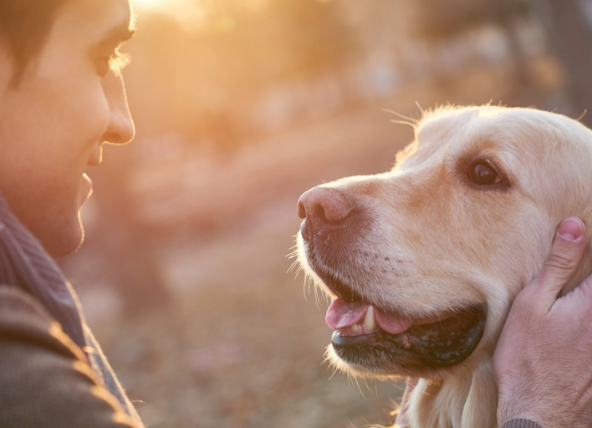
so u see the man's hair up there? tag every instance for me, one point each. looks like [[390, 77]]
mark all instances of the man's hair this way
[[24, 28]]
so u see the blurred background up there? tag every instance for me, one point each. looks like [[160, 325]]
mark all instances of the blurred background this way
[[240, 106]]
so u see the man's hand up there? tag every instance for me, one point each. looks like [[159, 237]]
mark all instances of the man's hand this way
[[543, 361]]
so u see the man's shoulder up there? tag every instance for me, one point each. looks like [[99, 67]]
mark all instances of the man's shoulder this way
[[19, 308], [44, 377], [24, 320], [14, 299]]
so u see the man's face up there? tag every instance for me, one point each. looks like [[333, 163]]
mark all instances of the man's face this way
[[53, 125]]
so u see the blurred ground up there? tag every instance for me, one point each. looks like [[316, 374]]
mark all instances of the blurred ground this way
[[242, 341]]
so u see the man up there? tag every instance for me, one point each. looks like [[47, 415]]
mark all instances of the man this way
[[61, 98]]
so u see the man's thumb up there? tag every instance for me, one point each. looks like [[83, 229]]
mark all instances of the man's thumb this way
[[564, 257]]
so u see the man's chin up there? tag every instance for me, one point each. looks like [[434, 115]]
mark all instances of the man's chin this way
[[64, 241]]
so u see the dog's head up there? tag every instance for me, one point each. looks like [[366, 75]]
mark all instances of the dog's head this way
[[422, 262]]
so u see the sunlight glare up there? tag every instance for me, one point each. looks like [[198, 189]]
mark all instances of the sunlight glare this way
[[149, 4], [187, 12]]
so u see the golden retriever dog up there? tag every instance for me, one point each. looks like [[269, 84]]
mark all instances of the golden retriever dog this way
[[422, 262]]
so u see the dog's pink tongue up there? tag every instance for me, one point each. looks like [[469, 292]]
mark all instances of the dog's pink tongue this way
[[391, 323], [341, 314]]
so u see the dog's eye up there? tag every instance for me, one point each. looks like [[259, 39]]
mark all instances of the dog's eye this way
[[483, 174]]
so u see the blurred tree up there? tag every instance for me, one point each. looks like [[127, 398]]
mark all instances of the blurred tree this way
[[439, 20], [570, 35], [285, 39], [442, 21], [314, 38]]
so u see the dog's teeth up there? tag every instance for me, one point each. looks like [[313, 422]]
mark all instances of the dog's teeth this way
[[357, 328], [369, 321]]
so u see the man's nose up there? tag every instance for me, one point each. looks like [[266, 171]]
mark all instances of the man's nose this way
[[121, 129]]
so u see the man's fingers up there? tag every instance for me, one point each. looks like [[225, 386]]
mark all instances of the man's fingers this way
[[564, 257]]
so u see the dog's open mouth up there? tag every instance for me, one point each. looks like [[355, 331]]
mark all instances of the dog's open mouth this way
[[368, 337], [372, 338]]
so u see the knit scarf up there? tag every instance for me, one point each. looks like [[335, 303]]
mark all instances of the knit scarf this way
[[24, 263]]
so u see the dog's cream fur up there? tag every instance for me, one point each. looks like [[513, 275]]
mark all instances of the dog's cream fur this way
[[450, 244]]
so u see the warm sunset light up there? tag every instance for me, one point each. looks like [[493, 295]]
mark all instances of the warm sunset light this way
[[173, 7], [147, 3], [188, 13], [154, 4]]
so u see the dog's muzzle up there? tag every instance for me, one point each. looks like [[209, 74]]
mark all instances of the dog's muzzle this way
[[333, 225]]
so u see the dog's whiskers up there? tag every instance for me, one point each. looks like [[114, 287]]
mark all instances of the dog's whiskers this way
[[407, 119], [295, 267], [359, 387]]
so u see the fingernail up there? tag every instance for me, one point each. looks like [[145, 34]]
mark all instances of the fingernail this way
[[570, 229]]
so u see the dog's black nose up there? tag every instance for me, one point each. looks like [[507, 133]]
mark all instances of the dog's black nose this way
[[323, 205]]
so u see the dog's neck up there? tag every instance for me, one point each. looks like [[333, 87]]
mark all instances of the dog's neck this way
[[466, 400]]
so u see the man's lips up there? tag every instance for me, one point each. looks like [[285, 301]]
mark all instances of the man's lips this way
[[86, 185]]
